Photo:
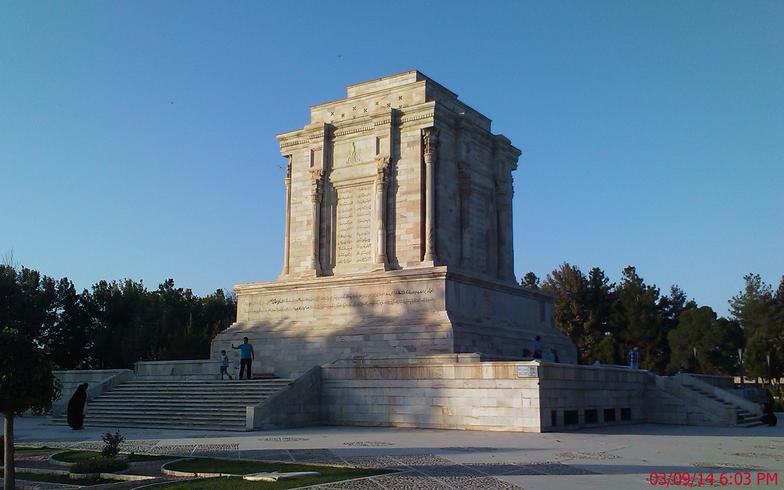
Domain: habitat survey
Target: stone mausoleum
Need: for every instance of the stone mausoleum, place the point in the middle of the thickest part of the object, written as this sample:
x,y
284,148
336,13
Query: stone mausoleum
x,y
398,237
397,304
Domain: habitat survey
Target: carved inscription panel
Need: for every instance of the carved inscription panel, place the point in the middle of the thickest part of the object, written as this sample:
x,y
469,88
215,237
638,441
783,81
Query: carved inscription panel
x,y
353,245
408,297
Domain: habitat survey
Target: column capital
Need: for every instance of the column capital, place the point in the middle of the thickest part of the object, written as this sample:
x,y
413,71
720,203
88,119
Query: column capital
x,y
316,180
287,178
382,168
430,143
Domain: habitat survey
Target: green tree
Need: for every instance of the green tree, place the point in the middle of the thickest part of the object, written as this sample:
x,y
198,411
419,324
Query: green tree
x,y
672,305
569,285
530,280
68,340
26,383
715,341
583,310
760,313
133,324
28,300
638,316
599,333
124,318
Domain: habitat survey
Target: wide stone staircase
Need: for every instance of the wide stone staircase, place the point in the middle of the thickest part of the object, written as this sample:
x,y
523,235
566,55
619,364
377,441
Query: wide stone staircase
x,y
687,399
209,405
744,418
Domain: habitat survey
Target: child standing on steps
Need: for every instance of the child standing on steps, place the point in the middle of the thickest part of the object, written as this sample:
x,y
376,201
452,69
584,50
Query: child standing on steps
x,y
224,366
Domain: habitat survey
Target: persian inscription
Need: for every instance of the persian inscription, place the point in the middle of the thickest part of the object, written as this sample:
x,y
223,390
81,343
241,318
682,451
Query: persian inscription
x,y
346,300
345,227
362,230
353,225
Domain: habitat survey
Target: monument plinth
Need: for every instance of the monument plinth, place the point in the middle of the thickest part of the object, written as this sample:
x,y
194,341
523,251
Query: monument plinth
x,y
398,237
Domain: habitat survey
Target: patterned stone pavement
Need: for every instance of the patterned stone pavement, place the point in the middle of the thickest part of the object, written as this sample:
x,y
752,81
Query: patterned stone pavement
x,y
619,458
415,471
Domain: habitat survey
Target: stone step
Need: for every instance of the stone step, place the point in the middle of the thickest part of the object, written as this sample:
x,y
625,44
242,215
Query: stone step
x,y
196,392
226,387
119,405
218,388
156,425
209,382
168,409
171,417
174,402
238,411
223,390
184,396
160,418
210,424
204,389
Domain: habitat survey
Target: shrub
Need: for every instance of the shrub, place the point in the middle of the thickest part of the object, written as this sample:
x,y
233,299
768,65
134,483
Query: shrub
x,y
99,464
112,443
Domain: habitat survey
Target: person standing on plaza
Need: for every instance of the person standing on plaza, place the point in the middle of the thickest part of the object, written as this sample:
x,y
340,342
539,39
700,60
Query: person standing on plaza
x,y
634,358
224,365
246,356
536,346
76,407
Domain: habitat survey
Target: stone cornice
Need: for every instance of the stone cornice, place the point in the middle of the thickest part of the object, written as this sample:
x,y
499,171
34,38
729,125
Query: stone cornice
x,y
357,126
369,95
392,277
357,279
303,137
490,283
417,114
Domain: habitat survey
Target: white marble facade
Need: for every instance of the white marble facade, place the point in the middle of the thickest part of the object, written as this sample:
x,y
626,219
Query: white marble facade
x,y
399,174
398,237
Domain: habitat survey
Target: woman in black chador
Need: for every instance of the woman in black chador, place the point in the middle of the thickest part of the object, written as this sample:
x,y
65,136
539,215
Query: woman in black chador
x,y
76,407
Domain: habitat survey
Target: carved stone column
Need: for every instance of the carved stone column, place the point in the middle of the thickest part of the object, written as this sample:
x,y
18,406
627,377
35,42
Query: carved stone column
x,y
382,169
430,142
317,188
504,219
287,231
464,193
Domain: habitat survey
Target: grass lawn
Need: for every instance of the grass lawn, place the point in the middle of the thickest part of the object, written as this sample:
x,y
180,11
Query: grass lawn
x,y
209,465
51,478
77,456
240,484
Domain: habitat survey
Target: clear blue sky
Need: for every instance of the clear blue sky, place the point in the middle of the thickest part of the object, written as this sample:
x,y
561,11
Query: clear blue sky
x,y
137,139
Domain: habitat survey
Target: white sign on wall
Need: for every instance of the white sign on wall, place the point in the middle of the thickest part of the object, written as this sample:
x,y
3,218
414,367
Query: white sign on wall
x,y
527,371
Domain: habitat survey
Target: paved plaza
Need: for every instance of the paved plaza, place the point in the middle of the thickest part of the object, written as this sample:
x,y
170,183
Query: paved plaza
x,y
620,457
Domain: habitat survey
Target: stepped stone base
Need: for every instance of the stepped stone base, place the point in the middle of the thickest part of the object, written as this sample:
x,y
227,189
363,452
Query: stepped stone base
x,y
297,324
440,391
